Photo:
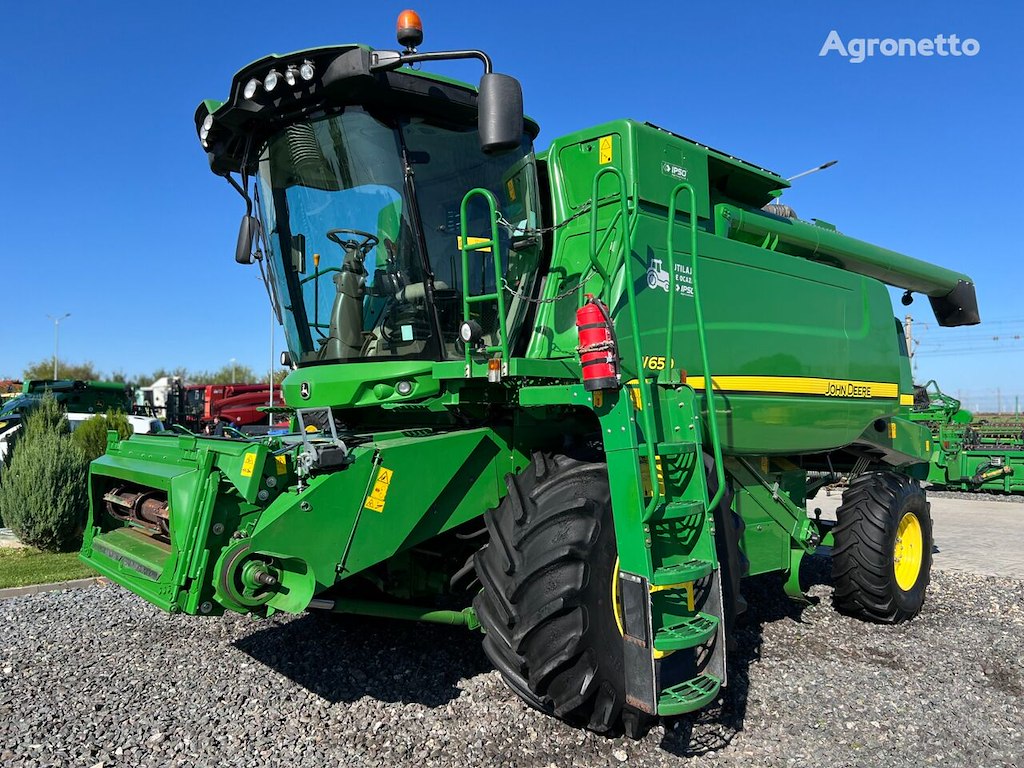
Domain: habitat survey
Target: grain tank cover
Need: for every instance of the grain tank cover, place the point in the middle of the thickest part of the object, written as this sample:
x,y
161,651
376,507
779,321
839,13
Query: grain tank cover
x,y
729,176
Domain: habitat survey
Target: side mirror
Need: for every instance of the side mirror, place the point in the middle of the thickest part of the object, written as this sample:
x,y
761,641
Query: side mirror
x,y
500,112
247,232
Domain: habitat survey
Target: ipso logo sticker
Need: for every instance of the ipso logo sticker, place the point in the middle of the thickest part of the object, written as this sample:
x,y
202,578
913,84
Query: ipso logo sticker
x,y
658,277
857,49
675,171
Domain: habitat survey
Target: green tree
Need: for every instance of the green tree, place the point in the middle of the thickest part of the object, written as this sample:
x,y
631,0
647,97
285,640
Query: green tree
x,y
43,491
181,372
228,374
44,370
48,416
91,434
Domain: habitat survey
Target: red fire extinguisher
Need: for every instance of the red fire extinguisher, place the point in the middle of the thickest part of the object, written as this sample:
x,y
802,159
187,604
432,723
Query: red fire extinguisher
x,y
598,354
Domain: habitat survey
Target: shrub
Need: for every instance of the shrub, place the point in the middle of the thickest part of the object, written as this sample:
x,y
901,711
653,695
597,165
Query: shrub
x,y
91,434
43,491
47,417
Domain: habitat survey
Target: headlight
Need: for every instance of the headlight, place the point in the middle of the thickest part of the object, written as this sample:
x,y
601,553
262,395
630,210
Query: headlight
x,y
471,332
270,81
208,123
250,88
289,75
306,70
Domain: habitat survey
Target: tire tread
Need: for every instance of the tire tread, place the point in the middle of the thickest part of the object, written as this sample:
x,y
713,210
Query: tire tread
x,y
862,568
542,570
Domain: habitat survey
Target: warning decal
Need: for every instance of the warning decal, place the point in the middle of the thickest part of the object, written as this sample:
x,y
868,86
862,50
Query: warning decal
x,y
379,494
248,464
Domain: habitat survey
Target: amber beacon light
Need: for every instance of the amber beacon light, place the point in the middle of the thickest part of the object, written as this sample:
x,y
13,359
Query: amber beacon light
x,y
409,29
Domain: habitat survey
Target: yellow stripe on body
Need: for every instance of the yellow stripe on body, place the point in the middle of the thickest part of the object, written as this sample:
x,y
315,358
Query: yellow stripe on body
x,y
799,385
906,399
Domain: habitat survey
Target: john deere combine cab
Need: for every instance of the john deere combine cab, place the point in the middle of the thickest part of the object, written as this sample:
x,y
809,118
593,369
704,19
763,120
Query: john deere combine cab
x,y
570,398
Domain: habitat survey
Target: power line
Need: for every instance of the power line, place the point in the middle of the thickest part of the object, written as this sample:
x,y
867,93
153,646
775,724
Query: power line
x,y
971,353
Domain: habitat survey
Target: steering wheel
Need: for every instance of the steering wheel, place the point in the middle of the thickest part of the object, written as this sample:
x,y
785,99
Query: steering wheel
x,y
364,246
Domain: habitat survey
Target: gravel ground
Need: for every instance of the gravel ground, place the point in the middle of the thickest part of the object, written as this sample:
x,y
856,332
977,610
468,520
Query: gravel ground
x,y
100,678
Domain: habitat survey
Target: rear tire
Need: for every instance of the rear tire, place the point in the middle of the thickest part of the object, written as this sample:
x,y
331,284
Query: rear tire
x,y
546,602
881,562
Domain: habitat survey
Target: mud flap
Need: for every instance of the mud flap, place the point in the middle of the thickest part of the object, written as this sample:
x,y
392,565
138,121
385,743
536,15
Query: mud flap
x,y
638,643
715,605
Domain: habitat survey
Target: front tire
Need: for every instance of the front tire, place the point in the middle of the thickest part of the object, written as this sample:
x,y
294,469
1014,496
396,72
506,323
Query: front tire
x,y
882,559
546,604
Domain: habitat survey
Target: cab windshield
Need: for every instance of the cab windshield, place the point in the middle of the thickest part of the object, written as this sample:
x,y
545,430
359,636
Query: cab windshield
x,y
361,220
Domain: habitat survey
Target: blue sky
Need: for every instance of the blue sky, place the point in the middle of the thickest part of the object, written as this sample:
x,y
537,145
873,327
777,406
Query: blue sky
x,y
108,209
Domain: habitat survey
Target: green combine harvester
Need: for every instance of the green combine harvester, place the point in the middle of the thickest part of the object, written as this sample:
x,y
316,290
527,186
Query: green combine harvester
x,y
570,398
75,396
969,455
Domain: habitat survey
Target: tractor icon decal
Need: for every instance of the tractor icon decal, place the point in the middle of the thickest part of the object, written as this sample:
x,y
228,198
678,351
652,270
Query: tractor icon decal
x,y
657,277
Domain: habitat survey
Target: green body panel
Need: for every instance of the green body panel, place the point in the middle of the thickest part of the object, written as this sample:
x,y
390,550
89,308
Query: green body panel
x,y
362,384
774,516
424,498
773,322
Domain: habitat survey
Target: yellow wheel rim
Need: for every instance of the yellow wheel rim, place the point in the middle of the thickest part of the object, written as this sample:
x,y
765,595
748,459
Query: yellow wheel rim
x,y
908,551
616,598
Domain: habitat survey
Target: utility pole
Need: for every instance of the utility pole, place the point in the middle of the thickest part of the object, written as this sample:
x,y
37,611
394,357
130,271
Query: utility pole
x,y
232,370
908,332
56,338
270,403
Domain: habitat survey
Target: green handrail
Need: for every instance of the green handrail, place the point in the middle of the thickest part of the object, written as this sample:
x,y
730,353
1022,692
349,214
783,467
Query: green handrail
x,y
586,275
498,296
646,397
622,213
716,445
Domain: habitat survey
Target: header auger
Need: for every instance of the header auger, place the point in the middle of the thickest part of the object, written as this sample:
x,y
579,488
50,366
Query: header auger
x,y
451,459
